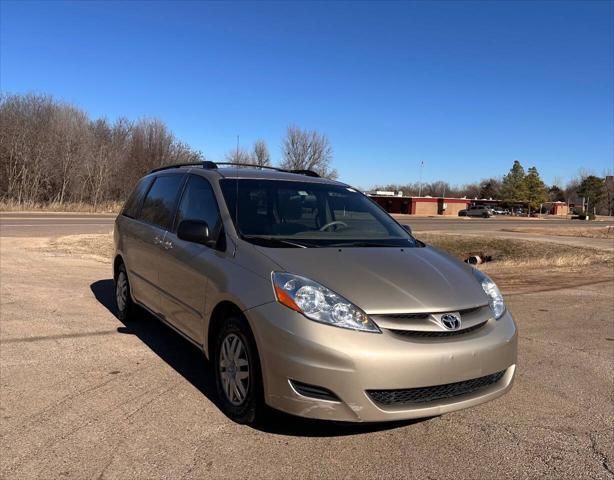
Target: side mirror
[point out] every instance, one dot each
(408, 228)
(195, 231)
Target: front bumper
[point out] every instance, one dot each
(349, 363)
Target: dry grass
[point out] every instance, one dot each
(105, 207)
(520, 253)
(587, 232)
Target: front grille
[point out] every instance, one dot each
(405, 316)
(420, 316)
(431, 394)
(442, 333)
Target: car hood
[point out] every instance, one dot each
(387, 280)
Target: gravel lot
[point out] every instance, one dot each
(86, 396)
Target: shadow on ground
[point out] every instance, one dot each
(190, 363)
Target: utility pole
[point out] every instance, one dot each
(420, 179)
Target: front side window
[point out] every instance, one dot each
(198, 203)
(160, 200)
(307, 214)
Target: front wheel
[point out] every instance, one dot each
(123, 298)
(237, 372)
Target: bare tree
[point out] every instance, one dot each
(471, 190)
(239, 155)
(261, 154)
(307, 150)
(51, 152)
(436, 189)
(70, 143)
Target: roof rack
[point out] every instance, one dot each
(309, 173)
(207, 165)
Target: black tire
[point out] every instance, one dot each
(248, 409)
(123, 298)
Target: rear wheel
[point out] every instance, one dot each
(123, 299)
(237, 371)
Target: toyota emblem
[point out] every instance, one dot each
(450, 321)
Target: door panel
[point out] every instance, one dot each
(145, 248)
(142, 247)
(183, 282)
(185, 269)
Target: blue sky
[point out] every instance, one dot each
(466, 87)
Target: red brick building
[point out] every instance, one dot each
(427, 206)
(559, 208)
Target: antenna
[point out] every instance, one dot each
(237, 192)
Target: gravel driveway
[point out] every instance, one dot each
(85, 396)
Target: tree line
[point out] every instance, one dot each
(526, 187)
(51, 152)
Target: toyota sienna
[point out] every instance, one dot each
(308, 297)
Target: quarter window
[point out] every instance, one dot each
(160, 200)
(133, 204)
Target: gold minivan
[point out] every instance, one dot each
(308, 297)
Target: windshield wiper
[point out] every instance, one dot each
(363, 243)
(277, 240)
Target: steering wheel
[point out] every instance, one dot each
(330, 224)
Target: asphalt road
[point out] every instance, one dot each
(84, 395)
(20, 224)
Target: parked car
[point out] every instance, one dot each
(476, 211)
(308, 297)
(498, 211)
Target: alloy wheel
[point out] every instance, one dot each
(234, 369)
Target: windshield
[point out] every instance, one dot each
(276, 213)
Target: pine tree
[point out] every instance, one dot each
(556, 194)
(594, 191)
(537, 194)
(513, 186)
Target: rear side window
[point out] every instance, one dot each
(198, 203)
(160, 201)
(133, 204)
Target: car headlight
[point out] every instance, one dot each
(495, 299)
(318, 303)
